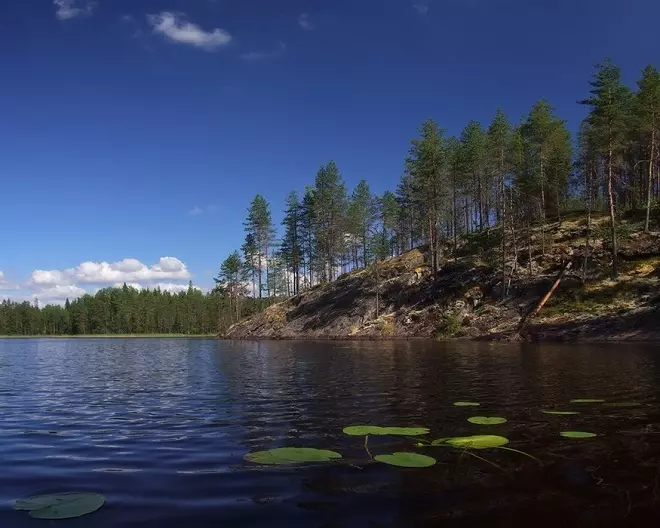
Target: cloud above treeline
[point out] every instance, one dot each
(127, 270)
(56, 285)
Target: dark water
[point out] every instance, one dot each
(160, 427)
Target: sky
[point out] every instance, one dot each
(133, 135)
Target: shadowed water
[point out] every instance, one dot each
(160, 427)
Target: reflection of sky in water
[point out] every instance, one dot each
(161, 426)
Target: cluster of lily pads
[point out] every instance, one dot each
(76, 504)
(301, 455)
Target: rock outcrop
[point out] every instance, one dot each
(465, 299)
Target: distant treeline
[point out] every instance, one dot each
(125, 310)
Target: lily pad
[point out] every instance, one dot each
(61, 505)
(363, 430)
(587, 400)
(487, 420)
(466, 404)
(291, 455)
(560, 413)
(577, 434)
(477, 441)
(412, 460)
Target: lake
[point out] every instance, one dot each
(160, 428)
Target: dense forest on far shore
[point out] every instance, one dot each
(125, 310)
(498, 181)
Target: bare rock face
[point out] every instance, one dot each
(639, 245)
(465, 297)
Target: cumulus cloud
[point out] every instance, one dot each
(127, 270)
(263, 55)
(67, 9)
(176, 28)
(58, 293)
(305, 22)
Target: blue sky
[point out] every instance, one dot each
(141, 130)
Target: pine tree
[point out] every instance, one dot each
(259, 224)
(548, 159)
(291, 246)
(307, 233)
(329, 207)
(608, 121)
(473, 161)
(362, 214)
(647, 121)
(231, 280)
(426, 164)
(499, 140)
(389, 219)
(250, 260)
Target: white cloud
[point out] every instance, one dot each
(59, 293)
(127, 270)
(67, 9)
(176, 28)
(263, 55)
(421, 7)
(305, 23)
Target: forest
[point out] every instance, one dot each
(498, 180)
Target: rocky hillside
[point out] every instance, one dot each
(466, 300)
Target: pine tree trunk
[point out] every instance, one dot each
(454, 214)
(650, 183)
(260, 275)
(610, 192)
(542, 210)
(502, 214)
(479, 203)
(431, 244)
(587, 248)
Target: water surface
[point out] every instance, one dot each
(160, 427)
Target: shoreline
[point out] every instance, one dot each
(111, 336)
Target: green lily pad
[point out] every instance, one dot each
(466, 404)
(61, 505)
(560, 413)
(487, 420)
(477, 441)
(412, 460)
(291, 455)
(577, 434)
(624, 404)
(587, 400)
(363, 430)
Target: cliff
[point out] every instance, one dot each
(465, 299)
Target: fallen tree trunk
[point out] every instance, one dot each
(530, 315)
